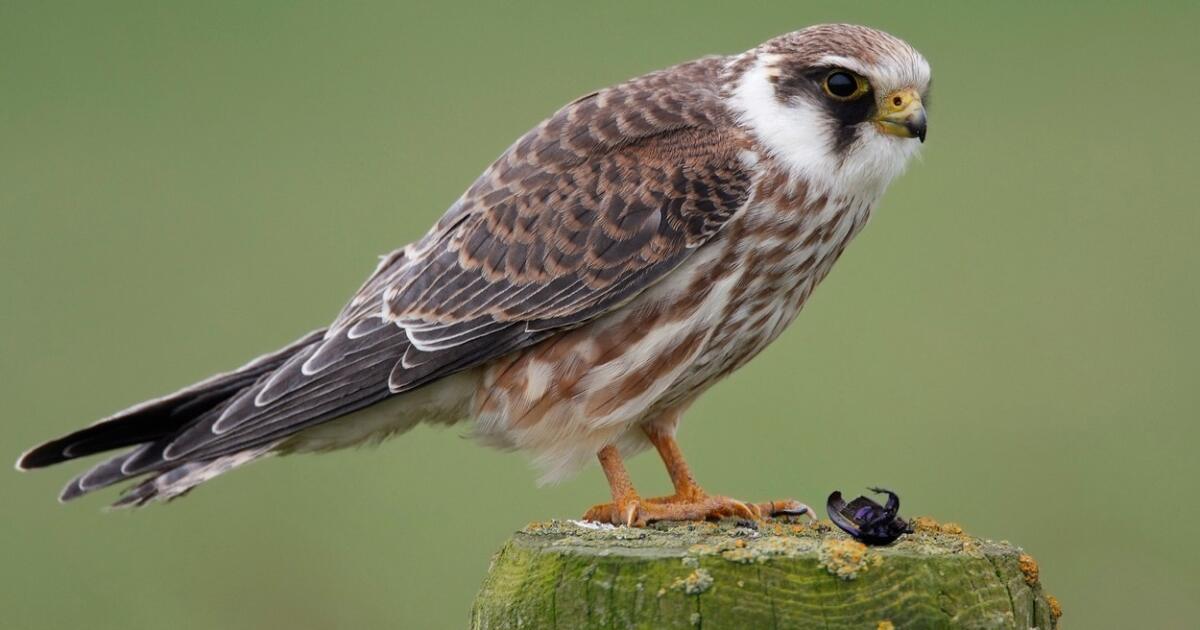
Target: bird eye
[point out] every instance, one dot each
(845, 86)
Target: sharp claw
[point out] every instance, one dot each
(734, 508)
(797, 509)
(786, 508)
(630, 512)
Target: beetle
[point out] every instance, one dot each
(866, 520)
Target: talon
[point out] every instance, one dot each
(789, 507)
(631, 511)
(744, 510)
(688, 503)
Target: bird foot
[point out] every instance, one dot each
(637, 512)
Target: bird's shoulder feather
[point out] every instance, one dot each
(577, 217)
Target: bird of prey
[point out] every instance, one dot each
(615, 262)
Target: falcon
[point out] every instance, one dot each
(615, 262)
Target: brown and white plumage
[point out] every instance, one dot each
(641, 243)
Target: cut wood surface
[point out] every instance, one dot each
(778, 574)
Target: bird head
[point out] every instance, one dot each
(841, 105)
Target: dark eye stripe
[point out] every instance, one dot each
(843, 115)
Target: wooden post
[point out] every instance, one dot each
(781, 574)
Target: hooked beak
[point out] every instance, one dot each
(902, 114)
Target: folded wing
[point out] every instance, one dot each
(578, 217)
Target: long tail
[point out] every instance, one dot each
(153, 420)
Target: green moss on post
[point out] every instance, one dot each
(783, 575)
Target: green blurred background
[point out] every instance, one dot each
(1012, 344)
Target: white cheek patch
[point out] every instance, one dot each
(799, 135)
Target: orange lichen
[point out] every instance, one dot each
(953, 529)
(925, 523)
(1029, 567)
(845, 558)
(695, 583)
(1055, 607)
(930, 525)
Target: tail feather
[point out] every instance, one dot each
(160, 417)
(175, 482)
(147, 425)
(101, 475)
(136, 425)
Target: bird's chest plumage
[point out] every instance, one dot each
(785, 242)
(566, 397)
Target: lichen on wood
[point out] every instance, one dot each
(778, 574)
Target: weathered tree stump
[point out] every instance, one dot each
(779, 575)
